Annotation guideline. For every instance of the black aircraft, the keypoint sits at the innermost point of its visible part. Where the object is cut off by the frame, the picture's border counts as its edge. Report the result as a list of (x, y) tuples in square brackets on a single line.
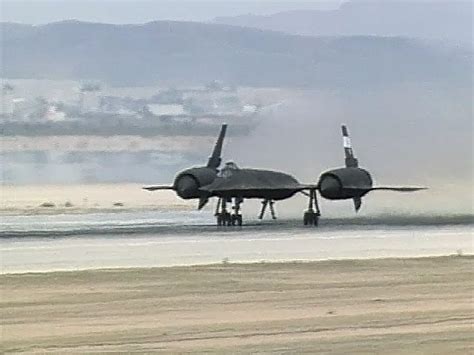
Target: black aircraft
[(231, 185)]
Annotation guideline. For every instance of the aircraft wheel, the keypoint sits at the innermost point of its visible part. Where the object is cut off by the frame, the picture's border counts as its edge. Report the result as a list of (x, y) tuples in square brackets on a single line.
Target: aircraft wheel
[(315, 220), (220, 220), (307, 218), (228, 219), (310, 219), (239, 220), (234, 220)]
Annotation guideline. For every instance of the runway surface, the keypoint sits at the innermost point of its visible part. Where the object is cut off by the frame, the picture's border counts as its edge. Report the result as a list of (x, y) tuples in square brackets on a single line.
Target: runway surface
[(41, 243)]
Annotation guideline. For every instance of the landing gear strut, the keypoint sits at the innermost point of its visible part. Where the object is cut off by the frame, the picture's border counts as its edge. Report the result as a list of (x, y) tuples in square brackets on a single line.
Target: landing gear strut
[(236, 218), (311, 216), (266, 203), (225, 218)]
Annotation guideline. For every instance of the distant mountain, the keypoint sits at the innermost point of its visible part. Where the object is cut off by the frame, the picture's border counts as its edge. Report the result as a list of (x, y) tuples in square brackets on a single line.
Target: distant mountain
[(439, 20), (175, 53)]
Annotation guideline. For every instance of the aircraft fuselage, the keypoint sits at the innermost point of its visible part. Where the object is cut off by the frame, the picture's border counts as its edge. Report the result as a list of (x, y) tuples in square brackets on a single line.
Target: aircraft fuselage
[(255, 183)]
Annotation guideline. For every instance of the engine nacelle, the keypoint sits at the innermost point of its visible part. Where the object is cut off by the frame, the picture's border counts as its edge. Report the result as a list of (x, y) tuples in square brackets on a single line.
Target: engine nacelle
[(344, 183), (188, 182)]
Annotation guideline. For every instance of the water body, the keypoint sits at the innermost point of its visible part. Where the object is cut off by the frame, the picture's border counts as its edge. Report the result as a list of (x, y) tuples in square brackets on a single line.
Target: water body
[(42, 243)]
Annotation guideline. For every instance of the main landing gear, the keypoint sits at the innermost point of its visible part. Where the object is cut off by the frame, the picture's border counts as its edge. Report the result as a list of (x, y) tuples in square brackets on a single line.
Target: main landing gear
[(225, 218), (311, 216)]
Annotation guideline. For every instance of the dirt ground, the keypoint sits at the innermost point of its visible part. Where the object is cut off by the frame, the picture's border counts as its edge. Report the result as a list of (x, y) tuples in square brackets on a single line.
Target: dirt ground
[(388, 306), (27, 199)]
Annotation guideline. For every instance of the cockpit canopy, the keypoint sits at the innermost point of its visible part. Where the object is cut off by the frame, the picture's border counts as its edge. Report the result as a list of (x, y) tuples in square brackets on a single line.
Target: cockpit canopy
[(228, 170)]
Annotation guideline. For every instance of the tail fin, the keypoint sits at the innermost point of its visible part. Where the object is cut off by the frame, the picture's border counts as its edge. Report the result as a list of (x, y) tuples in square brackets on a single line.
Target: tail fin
[(351, 160), (215, 159)]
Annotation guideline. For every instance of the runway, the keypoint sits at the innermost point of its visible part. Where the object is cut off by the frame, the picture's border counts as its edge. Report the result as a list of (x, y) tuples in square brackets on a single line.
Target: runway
[(43, 243)]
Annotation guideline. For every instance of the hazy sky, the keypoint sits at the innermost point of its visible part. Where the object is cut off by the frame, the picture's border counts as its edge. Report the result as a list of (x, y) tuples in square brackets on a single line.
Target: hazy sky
[(140, 11)]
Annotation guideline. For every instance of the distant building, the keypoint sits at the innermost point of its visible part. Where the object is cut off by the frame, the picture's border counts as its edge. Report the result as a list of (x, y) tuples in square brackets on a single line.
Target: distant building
[(121, 105), (18, 104), (166, 109), (54, 115), (249, 109)]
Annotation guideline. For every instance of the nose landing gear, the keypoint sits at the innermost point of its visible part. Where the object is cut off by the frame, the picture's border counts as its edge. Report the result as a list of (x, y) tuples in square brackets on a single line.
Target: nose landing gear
[(266, 203), (311, 216)]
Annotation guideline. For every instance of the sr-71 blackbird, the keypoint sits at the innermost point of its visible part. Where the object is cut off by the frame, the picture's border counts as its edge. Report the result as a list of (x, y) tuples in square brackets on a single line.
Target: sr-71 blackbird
[(232, 185)]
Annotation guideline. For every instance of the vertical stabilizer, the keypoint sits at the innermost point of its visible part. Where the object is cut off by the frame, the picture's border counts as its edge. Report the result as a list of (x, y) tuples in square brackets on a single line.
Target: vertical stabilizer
[(215, 159), (351, 160)]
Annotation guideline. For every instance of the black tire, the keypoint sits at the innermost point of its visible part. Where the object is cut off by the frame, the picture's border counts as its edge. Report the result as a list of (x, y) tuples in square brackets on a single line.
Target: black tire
[(306, 218), (219, 220), (228, 219), (239, 220), (316, 220)]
